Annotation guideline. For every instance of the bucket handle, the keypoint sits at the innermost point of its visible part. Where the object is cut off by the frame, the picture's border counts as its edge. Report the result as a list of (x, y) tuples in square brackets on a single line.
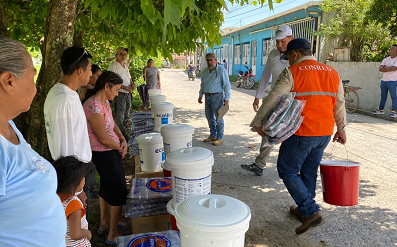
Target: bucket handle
[(347, 155)]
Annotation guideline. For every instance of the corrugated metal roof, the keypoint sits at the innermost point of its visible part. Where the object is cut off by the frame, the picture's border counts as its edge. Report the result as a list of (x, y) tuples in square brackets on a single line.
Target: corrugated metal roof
[(230, 30)]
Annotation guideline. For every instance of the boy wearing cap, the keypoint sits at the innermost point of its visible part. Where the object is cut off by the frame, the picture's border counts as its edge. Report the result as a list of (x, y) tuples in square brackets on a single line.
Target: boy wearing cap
[(215, 86), (122, 102), (274, 67), (320, 87)]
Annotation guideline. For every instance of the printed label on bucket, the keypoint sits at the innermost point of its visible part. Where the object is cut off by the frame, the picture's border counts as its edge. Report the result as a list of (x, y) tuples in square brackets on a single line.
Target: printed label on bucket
[(186, 188), (189, 144), (164, 120), (162, 157), (150, 240), (160, 185)]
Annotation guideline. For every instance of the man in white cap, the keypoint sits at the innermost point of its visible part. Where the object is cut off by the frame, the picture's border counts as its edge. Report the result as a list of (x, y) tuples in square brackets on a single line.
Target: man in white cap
[(122, 102), (273, 68)]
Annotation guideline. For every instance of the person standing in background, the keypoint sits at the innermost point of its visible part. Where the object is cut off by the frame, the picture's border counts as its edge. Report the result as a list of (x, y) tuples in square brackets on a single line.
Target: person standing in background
[(151, 75), (122, 102), (389, 82)]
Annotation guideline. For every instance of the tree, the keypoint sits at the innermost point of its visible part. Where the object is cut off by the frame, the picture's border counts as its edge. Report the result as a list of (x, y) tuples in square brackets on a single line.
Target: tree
[(384, 13), (367, 40), (148, 27)]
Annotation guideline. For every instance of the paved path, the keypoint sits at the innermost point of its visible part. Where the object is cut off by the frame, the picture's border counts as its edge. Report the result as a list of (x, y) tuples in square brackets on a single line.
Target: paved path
[(371, 141)]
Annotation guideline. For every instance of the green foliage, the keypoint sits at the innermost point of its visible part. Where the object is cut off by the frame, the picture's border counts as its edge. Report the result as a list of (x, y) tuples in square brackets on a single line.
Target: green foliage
[(367, 40), (384, 13), (232, 78)]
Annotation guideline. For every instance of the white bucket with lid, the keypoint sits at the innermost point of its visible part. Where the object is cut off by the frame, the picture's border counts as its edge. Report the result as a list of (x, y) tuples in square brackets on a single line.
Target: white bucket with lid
[(151, 151), (176, 136), (163, 114), (213, 221), (154, 99), (191, 172), (154, 91)]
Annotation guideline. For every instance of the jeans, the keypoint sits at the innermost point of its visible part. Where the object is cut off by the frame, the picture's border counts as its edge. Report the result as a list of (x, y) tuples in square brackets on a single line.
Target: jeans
[(264, 153), (391, 87), (212, 104), (89, 182), (297, 165), (122, 107)]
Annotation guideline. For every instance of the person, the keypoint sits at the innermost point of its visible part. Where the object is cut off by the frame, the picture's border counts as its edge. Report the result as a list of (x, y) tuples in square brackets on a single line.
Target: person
[(87, 91), (225, 64), (71, 180), (108, 148), (273, 68), (64, 116), (31, 212), (388, 83), (151, 75), (215, 86), (300, 155), (122, 103), (191, 67)]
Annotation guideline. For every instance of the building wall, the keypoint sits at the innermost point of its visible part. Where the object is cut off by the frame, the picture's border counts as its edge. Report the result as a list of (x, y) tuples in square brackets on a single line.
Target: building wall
[(258, 33), (367, 76)]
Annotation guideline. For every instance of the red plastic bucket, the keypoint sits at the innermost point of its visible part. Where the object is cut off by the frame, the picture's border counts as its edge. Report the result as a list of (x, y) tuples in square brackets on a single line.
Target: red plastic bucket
[(171, 211), (340, 181)]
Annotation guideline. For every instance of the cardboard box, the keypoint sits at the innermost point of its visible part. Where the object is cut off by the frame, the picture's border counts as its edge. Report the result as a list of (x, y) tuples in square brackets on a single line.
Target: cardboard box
[(140, 174), (157, 223)]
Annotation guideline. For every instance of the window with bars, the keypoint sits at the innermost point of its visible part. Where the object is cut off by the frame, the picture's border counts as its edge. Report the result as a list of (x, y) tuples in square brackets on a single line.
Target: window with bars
[(304, 29), (237, 54), (267, 46), (246, 53)]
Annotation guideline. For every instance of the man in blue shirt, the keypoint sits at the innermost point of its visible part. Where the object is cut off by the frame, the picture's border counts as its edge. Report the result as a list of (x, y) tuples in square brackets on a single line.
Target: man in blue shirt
[(215, 86)]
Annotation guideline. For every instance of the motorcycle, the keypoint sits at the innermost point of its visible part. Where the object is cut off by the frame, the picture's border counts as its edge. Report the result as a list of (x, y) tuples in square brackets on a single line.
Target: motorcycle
[(245, 78), (192, 75)]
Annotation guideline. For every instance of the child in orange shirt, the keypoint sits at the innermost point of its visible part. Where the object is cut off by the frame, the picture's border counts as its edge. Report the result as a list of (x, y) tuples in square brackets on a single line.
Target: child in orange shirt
[(71, 180)]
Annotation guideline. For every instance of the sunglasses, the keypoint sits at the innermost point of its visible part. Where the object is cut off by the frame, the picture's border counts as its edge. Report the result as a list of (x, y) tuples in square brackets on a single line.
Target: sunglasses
[(84, 53)]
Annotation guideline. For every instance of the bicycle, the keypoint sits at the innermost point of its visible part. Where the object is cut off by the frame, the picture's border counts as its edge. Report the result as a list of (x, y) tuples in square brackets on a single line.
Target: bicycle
[(351, 96)]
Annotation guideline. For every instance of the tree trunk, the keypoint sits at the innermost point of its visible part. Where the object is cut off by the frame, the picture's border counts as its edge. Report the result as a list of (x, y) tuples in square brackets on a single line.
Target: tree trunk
[(78, 39), (3, 23), (59, 29)]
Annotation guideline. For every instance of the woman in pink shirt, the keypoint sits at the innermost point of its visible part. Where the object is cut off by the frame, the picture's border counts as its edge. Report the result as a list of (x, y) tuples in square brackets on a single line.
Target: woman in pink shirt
[(108, 148)]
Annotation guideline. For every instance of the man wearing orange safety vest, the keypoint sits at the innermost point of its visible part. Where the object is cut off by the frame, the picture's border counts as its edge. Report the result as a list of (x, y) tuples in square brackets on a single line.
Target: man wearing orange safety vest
[(300, 155)]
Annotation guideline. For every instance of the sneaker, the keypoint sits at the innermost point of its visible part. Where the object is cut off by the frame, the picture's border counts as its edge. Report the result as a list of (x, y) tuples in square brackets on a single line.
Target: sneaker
[(377, 112), (210, 139), (310, 222), (393, 114), (217, 142), (253, 168), (295, 211)]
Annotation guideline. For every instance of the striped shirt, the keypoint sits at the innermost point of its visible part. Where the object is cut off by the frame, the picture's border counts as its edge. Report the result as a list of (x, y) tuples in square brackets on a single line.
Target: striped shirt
[(70, 205), (215, 82)]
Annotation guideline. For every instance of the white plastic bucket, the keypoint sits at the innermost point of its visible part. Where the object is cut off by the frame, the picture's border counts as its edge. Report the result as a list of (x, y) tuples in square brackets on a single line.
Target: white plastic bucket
[(151, 151), (191, 172), (212, 220), (154, 91), (171, 211), (176, 136), (163, 114), (154, 99)]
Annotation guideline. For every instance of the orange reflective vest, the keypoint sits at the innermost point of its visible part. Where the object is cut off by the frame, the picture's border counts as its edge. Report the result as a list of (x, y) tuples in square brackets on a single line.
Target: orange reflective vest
[(318, 84)]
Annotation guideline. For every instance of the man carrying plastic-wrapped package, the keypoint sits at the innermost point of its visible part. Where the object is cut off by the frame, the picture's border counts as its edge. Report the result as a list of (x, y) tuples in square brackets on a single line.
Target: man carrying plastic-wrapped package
[(320, 87)]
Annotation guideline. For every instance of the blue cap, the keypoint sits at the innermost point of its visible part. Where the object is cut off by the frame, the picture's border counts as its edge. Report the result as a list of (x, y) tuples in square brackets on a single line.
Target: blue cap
[(296, 44)]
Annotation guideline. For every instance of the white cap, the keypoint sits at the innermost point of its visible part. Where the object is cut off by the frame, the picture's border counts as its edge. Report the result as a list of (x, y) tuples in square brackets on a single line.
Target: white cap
[(283, 31)]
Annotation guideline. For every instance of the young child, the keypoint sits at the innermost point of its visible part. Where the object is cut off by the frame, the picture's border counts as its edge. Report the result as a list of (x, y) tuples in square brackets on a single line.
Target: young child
[(71, 180)]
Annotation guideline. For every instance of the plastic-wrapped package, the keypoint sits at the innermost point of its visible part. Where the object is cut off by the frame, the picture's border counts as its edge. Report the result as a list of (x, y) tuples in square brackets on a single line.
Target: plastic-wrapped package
[(133, 210), (168, 238), (150, 190), (279, 111)]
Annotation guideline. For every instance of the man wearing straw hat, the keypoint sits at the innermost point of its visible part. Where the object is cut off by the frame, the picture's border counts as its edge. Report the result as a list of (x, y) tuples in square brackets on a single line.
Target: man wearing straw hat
[(320, 87), (215, 86)]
